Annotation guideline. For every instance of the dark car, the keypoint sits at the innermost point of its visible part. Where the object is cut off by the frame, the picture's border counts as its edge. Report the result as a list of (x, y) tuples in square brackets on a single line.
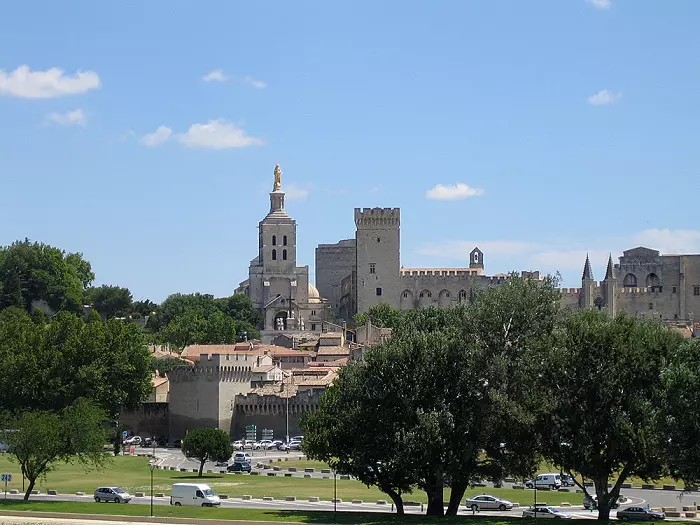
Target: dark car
[(239, 466), (639, 514)]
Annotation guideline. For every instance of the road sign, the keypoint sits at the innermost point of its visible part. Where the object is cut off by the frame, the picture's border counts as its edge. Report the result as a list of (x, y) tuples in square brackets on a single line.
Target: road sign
[(124, 434), (6, 478), (267, 433), (251, 427)]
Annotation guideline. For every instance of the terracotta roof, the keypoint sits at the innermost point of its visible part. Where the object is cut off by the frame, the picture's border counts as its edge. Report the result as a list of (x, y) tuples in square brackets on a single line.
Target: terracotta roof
[(332, 350), (194, 351), (264, 368), (338, 363), (280, 351)]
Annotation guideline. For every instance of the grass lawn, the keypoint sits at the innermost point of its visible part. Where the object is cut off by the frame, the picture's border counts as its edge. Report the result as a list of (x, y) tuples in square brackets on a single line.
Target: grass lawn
[(133, 474)]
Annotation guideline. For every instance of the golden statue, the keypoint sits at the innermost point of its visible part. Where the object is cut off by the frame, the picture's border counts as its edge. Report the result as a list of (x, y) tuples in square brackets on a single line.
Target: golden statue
[(278, 178)]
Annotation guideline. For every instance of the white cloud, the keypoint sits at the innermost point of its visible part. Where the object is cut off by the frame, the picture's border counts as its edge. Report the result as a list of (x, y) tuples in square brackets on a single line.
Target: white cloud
[(255, 83), (217, 134), (52, 83), (71, 118), (159, 136), (601, 4), (670, 241), (455, 192), (295, 192), (604, 97), (216, 75)]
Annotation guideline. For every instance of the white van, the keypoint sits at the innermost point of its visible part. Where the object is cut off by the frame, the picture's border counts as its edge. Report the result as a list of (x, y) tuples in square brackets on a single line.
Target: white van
[(553, 481), (197, 494)]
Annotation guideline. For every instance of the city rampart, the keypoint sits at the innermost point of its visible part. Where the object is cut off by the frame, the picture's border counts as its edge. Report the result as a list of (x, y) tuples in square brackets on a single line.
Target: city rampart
[(148, 420), (270, 412)]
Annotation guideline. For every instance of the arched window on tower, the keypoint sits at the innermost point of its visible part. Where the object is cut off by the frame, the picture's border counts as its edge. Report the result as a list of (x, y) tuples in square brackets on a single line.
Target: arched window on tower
[(284, 255), (462, 296), (654, 283), (630, 281), (274, 255), (274, 240), (284, 240)]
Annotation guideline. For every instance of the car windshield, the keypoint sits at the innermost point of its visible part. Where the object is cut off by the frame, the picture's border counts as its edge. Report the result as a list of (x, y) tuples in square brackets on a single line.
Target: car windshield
[(209, 492)]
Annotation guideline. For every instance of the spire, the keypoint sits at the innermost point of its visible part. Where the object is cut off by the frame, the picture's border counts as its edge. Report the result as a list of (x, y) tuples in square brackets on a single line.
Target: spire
[(609, 270), (587, 273)]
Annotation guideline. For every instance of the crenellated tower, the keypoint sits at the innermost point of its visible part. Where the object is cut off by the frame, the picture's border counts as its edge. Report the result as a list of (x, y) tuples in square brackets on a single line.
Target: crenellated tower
[(378, 241)]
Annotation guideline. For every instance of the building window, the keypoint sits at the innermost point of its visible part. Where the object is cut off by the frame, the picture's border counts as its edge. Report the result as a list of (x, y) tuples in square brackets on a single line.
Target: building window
[(426, 294), (405, 295), (378, 239), (372, 268), (284, 255), (284, 240), (696, 290), (313, 312), (274, 255), (675, 316), (274, 240), (313, 327), (630, 281), (379, 291), (651, 306), (462, 296), (674, 289)]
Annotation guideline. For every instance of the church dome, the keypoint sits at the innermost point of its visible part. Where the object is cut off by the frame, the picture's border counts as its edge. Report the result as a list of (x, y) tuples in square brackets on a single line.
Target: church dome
[(314, 296)]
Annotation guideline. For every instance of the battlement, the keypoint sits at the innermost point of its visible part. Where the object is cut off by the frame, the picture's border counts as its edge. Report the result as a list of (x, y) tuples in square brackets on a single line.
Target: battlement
[(462, 273), (637, 291), (382, 218), (210, 369), (570, 291)]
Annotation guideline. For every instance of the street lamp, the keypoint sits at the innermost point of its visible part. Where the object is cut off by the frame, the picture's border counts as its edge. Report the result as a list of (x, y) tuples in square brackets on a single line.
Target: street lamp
[(152, 465), (335, 496)]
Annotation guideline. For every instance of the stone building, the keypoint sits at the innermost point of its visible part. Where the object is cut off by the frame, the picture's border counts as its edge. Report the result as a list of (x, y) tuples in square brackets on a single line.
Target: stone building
[(644, 283), (280, 289)]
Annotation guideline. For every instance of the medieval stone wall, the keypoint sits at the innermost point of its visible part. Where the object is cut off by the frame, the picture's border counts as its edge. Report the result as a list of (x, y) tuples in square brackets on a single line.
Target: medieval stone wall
[(334, 262), (148, 420)]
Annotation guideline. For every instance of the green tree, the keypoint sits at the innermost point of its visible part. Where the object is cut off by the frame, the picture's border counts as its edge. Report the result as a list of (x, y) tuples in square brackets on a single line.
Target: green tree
[(31, 271), (381, 315), (207, 444), (369, 452), (39, 440), (110, 301), (142, 309), (681, 412), (605, 378), (240, 308)]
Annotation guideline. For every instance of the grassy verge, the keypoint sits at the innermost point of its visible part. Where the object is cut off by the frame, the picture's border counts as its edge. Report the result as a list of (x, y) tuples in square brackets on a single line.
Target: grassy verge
[(133, 474)]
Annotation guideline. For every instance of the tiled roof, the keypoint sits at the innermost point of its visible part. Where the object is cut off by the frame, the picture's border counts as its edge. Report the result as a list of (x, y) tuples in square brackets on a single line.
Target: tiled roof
[(330, 335), (194, 351), (332, 350), (263, 369), (281, 351)]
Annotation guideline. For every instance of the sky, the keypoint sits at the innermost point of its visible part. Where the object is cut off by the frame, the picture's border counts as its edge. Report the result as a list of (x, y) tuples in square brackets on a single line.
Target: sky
[(144, 134)]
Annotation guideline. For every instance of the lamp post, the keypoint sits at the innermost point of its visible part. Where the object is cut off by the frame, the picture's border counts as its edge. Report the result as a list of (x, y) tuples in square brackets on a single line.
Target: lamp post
[(335, 496), (152, 465)]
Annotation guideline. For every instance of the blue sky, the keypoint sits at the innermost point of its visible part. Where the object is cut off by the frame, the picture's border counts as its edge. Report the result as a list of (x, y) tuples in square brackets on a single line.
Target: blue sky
[(538, 130)]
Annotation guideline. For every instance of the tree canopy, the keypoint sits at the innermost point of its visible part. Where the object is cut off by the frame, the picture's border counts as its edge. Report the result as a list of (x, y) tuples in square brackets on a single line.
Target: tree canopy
[(381, 315), (206, 444), (32, 271), (605, 378), (110, 301)]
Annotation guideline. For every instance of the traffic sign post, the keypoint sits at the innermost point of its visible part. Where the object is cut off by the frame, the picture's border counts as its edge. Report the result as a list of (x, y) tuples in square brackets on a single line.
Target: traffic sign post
[(6, 478)]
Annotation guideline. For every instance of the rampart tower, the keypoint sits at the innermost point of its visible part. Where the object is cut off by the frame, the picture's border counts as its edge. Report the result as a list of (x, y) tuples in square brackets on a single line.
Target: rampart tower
[(378, 240)]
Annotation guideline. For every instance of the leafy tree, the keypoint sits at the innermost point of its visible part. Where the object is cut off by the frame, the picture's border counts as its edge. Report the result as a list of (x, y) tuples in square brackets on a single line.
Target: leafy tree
[(35, 271), (381, 315), (48, 367), (141, 309), (39, 439), (605, 377), (177, 305), (165, 364), (681, 413), (110, 301), (206, 444), (353, 437), (240, 308)]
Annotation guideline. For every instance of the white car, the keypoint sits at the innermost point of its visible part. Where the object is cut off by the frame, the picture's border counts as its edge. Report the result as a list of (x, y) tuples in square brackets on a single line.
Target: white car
[(265, 444), (239, 457), (237, 445), (487, 502), (542, 511)]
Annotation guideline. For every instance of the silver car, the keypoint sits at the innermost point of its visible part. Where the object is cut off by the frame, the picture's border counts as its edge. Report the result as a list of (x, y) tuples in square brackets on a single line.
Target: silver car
[(545, 512), (115, 494), (486, 502)]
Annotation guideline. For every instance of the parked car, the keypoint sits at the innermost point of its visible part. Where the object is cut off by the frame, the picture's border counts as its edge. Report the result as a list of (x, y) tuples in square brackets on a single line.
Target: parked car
[(239, 466), (197, 494), (542, 511), (294, 445), (174, 443), (553, 481), (133, 440), (592, 501), (222, 463), (265, 444), (640, 514), (237, 445), (277, 442), (115, 494), (241, 456), (487, 502), (567, 481)]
